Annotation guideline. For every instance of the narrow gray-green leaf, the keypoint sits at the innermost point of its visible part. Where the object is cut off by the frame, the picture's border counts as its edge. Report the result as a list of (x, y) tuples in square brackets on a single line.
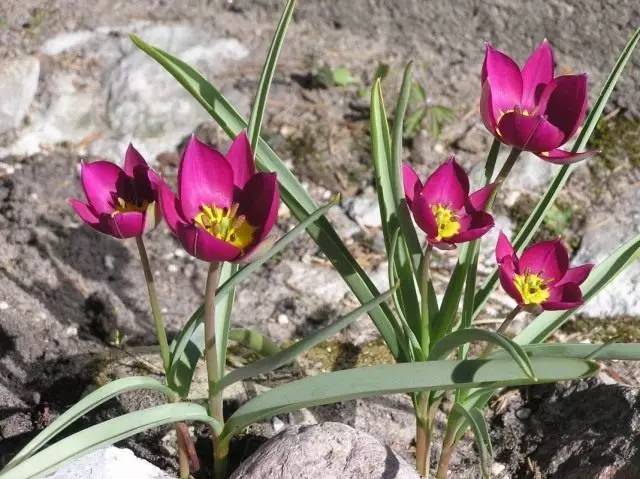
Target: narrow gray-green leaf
[(104, 434), (86, 404), (289, 354), (254, 340), (268, 71), (481, 432), (396, 378), (453, 340), (601, 352)]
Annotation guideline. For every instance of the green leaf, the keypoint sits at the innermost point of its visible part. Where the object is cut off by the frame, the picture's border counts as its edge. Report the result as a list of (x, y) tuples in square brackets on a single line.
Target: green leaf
[(104, 434), (289, 354), (475, 417), (342, 76), (601, 352), (255, 341), (546, 323), (188, 347), (291, 190), (382, 70), (418, 94), (82, 407), (536, 217), (453, 340), (414, 121), (397, 378), (268, 71)]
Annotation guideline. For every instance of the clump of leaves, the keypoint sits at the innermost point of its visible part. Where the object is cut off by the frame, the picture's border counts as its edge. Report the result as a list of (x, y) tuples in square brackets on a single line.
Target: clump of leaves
[(327, 77), (436, 116)]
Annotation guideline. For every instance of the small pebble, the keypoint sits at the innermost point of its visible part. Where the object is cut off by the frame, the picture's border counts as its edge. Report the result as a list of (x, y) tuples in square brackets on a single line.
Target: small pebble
[(523, 413), (4, 305), (283, 319), (278, 424), (71, 331), (326, 195), (180, 253), (109, 262), (173, 268)]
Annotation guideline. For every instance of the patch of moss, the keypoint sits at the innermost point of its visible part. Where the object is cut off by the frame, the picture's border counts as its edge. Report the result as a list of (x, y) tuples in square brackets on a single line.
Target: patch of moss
[(618, 141), (334, 356), (602, 330)]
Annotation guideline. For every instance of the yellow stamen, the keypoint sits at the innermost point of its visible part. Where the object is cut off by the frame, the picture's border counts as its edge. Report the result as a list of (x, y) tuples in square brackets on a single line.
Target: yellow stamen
[(124, 206), (531, 287), (225, 225), (447, 221)]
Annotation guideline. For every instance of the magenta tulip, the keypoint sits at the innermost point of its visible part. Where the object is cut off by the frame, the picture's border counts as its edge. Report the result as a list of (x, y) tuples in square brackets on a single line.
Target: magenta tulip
[(120, 201), (541, 277), (529, 109), (224, 210), (443, 208)]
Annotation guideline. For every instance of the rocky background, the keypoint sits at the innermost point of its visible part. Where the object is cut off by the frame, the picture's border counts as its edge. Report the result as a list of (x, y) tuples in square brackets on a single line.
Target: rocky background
[(73, 88)]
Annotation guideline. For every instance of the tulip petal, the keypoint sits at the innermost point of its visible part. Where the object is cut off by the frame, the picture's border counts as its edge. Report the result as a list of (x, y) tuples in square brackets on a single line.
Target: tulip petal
[(565, 104), (169, 207), (204, 178), (504, 79), (448, 185), (424, 216), (133, 160), (576, 275), (411, 182), (504, 248), (567, 296), (473, 226), (478, 199), (260, 201), (486, 108), (199, 243), (87, 215), (529, 133), (240, 157), (506, 272), (536, 74), (549, 259), (126, 225), (562, 157), (100, 183), (140, 188)]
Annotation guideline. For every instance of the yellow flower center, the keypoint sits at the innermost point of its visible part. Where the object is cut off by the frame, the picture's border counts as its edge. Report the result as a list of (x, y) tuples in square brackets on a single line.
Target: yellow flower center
[(125, 206), (532, 288), (447, 221), (226, 224)]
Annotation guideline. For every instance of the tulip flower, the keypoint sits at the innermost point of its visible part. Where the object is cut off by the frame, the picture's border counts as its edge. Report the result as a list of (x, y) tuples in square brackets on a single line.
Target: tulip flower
[(541, 277), (120, 201), (223, 210), (529, 109), (443, 208)]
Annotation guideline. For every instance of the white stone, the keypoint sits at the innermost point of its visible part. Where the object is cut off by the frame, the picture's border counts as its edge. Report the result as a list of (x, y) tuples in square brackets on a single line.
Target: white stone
[(283, 319), (18, 86), (110, 463), (364, 210), (173, 268), (66, 41), (4, 305)]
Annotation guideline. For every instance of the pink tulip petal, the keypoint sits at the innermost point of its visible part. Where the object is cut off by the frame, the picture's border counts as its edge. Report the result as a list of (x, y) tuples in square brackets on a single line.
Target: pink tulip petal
[(202, 245), (506, 272), (169, 207), (126, 225), (204, 178), (564, 104), (260, 201), (100, 181), (486, 108), (133, 160), (536, 74), (87, 215), (240, 157), (561, 157), (478, 199), (529, 133), (448, 185), (424, 216), (473, 226), (504, 78), (442, 245), (504, 248), (549, 259), (567, 296), (258, 251), (411, 182), (576, 275)]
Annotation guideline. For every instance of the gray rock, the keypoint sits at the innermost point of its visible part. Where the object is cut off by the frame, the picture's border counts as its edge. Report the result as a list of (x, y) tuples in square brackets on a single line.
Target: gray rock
[(18, 85), (364, 210), (325, 450), (110, 463)]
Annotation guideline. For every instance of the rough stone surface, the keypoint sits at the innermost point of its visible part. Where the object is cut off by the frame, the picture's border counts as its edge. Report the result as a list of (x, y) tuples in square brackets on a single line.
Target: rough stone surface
[(326, 450), (18, 85), (110, 463)]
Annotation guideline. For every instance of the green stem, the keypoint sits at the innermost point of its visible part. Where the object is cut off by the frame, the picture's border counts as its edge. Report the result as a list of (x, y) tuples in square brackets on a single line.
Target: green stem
[(448, 446), (503, 327), (425, 414), (506, 168), (220, 451), (155, 308), (425, 280)]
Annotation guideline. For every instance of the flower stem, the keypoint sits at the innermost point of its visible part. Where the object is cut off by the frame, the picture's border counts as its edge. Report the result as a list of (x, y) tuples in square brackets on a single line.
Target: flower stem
[(503, 327), (161, 334), (448, 446), (220, 449), (155, 307), (425, 282), (425, 414), (508, 165)]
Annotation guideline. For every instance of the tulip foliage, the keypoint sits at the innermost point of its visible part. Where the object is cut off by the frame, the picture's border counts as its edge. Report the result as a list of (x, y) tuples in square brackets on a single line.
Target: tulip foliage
[(223, 211)]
